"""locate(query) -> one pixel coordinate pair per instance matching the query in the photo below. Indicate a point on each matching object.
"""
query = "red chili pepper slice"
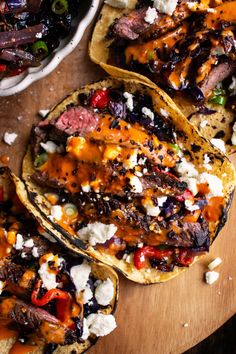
(185, 196)
(184, 257)
(1, 194)
(3, 68)
(49, 296)
(100, 99)
(141, 254)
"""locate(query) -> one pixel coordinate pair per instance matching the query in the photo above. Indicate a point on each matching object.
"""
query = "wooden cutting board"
(150, 318)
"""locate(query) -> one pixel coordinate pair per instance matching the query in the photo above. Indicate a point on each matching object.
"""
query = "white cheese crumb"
(148, 113)
(191, 183)
(48, 277)
(185, 168)
(151, 15)
(97, 232)
(9, 138)
(87, 294)
(136, 184)
(203, 124)
(165, 6)
(142, 161)
(50, 147)
(56, 213)
(233, 138)
(219, 143)
(214, 183)
(100, 324)
(140, 244)
(161, 201)
(164, 113)
(129, 101)
(211, 10)
(189, 205)
(2, 286)
(19, 242)
(86, 188)
(29, 243)
(215, 263)
(151, 209)
(80, 275)
(206, 160)
(119, 4)
(43, 112)
(232, 86)
(131, 162)
(104, 292)
(211, 277)
(35, 252)
(86, 333)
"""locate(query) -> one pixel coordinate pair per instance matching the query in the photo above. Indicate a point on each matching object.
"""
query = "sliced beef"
(11, 272)
(133, 25)
(164, 181)
(79, 120)
(217, 75)
(24, 314)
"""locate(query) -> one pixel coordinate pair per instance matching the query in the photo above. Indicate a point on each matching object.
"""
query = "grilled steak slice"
(133, 25)
(217, 74)
(11, 272)
(24, 314)
(164, 181)
(75, 120)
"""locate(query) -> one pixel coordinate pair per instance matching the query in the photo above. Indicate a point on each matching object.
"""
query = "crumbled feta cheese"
(203, 124)
(50, 147)
(219, 143)
(210, 9)
(148, 113)
(233, 138)
(142, 161)
(100, 325)
(151, 209)
(9, 138)
(189, 205)
(151, 15)
(80, 275)
(29, 243)
(214, 183)
(35, 252)
(232, 86)
(129, 101)
(164, 113)
(131, 162)
(56, 213)
(140, 244)
(185, 168)
(206, 160)
(136, 184)
(211, 277)
(104, 292)
(165, 6)
(87, 294)
(191, 183)
(43, 112)
(97, 232)
(2, 286)
(215, 263)
(86, 188)
(39, 35)
(86, 333)
(19, 242)
(119, 4)
(161, 201)
(138, 174)
(48, 277)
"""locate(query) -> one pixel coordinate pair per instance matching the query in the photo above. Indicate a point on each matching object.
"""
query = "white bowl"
(11, 85)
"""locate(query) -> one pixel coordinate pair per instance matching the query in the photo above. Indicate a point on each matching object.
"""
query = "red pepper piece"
(184, 257)
(49, 296)
(100, 99)
(141, 254)
(1, 194)
(3, 68)
(185, 196)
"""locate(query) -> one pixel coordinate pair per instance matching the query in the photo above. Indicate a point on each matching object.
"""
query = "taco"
(186, 48)
(120, 172)
(52, 300)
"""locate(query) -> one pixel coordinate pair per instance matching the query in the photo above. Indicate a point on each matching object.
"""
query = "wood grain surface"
(150, 318)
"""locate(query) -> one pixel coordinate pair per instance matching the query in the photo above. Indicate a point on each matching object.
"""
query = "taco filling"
(49, 297)
(186, 48)
(115, 175)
